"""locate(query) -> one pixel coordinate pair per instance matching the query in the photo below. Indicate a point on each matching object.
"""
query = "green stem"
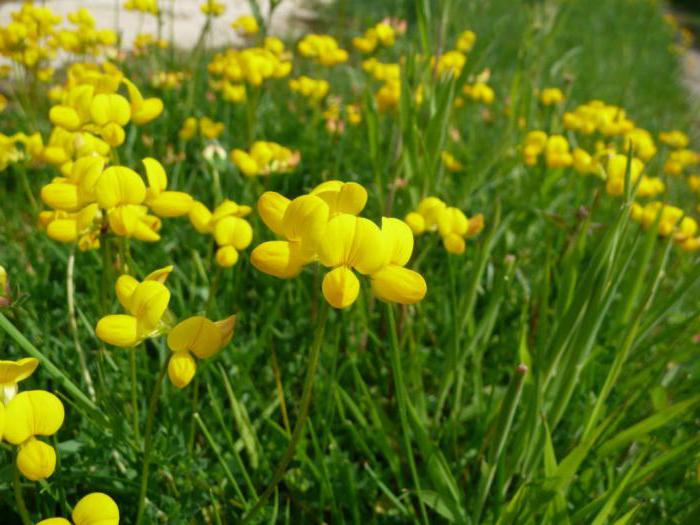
(314, 358)
(403, 401)
(19, 499)
(148, 442)
(134, 393)
(72, 322)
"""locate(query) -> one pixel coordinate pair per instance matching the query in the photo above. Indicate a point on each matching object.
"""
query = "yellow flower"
(341, 197)
(189, 128)
(94, 509)
(5, 300)
(246, 25)
(323, 49)
(145, 302)
(616, 172)
(210, 129)
(349, 243)
(145, 6)
(551, 96)
(143, 110)
(466, 41)
(212, 8)
(264, 158)
(675, 139)
(30, 414)
(450, 162)
(195, 336)
(557, 153)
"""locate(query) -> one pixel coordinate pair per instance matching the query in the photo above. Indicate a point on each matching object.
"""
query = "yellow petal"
(2, 415)
(96, 509)
(271, 207)
(452, 220)
(36, 460)
(113, 134)
(398, 239)
(118, 186)
(63, 230)
(160, 275)
(281, 259)
(32, 413)
(226, 256)
(106, 108)
(233, 231)
(341, 287)
(398, 285)
(342, 197)
(416, 222)
(226, 327)
(16, 371)
(118, 330)
(200, 217)
(155, 174)
(305, 220)
(454, 243)
(171, 204)
(148, 111)
(124, 288)
(196, 334)
(352, 241)
(181, 369)
(149, 302)
(54, 521)
(65, 117)
(245, 162)
(60, 196)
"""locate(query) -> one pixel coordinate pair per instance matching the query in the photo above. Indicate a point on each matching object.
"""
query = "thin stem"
(134, 393)
(148, 442)
(403, 401)
(70, 293)
(19, 498)
(314, 358)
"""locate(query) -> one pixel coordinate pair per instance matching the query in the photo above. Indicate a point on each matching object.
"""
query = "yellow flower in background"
(265, 158)
(189, 128)
(679, 160)
(480, 92)
(533, 146)
(145, 302)
(675, 139)
(311, 88)
(28, 415)
(641, 142)
(616, 170)
(246, 25)
(583, 161)
(465, 41)
(5, 300)
(145, 6)
(323, 49)
(451, 223)
(212, 8)
(392, 282)
(226, 223)
(382, 34)
(450, 63)
(143, 110)
(196, 336)
(450, 162)
(94, 509)
(556, 151)
(349, 243)
(210, 128)
(551, 96)
(12, 372)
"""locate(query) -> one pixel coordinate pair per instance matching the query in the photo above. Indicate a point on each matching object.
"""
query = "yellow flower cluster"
(144, 6)
(311, 88)
(675, 139)
(90, 103)
(465, 41)
(226, 223)
(450, 162)
(84, 38)
(680, 160)
(479, 92)
(145, 40)
(324, 226)
(388, 95)
(27, 39)
(551, 96)
(451, 223)
(210, 129)
(233, 68)
(671, 220)
(246, 25)
(146, 304)
(265, 158)
(382, 34)
(91, 196)
(598, 117)
(212, 8)
(616, 170)
(323, 49)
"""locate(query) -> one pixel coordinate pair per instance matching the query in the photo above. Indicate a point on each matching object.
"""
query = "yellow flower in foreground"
(145, 302)
(164, 203)
(349, 243)
(11, 373)
(196, 336)
(94, 509)
(30, 414)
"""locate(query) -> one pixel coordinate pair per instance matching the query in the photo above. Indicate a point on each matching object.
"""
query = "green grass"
(550, 375)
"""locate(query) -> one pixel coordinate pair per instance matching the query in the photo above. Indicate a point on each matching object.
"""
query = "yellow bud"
(181, 369)
(341, 287)
(36, 460)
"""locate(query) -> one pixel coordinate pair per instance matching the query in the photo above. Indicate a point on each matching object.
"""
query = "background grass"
(560, 281)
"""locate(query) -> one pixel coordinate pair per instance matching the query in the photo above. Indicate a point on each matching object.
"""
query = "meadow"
(413, 262)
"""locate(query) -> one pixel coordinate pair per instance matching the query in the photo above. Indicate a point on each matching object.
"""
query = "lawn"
(416, 262)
